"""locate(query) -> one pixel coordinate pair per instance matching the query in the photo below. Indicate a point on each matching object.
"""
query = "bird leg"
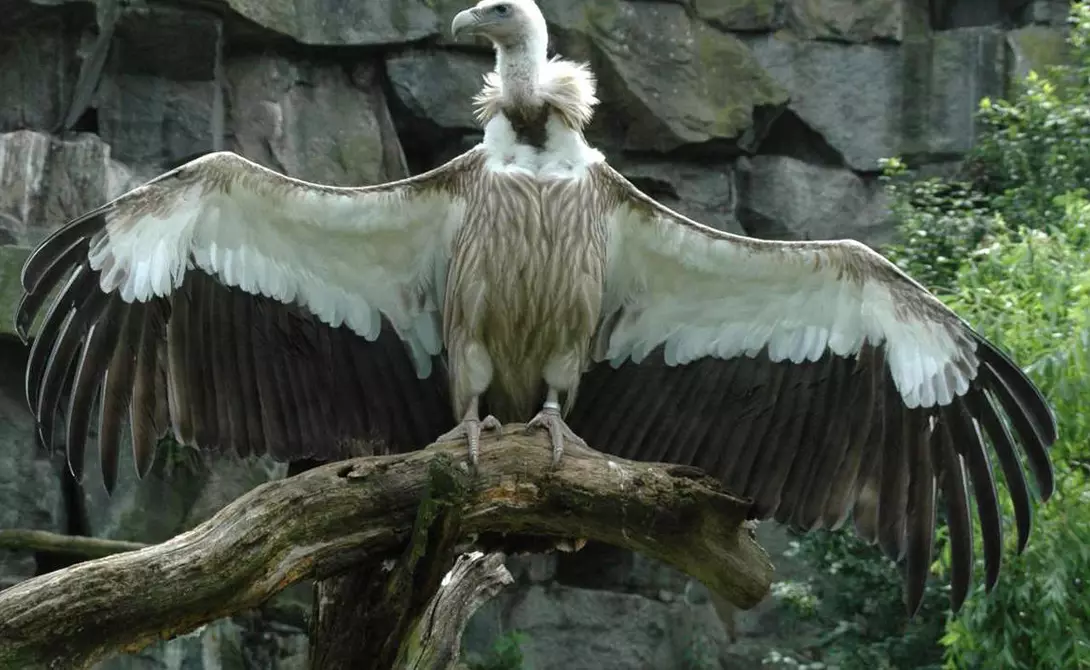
(549, 418)
(470, 430)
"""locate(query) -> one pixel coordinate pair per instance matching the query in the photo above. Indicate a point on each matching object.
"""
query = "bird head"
(507, 23)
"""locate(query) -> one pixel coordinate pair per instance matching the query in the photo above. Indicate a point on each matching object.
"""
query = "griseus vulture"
(239, 308)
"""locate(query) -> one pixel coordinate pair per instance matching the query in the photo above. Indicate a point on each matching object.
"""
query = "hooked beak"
(465, 23)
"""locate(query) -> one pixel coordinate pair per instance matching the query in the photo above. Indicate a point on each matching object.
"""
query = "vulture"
(527, 280)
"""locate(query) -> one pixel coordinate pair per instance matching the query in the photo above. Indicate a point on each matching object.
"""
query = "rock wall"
(767, 117)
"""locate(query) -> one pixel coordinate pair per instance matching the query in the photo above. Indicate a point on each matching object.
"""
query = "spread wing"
(244, 309)
(809, 376)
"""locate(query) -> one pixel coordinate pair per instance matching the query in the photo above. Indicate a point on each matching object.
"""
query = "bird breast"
(526, 273)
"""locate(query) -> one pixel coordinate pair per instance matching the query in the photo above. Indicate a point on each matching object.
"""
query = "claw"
(470, 430)
(549, 419)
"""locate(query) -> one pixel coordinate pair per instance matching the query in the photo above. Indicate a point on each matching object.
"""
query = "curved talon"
(470, 430)
(549, 419)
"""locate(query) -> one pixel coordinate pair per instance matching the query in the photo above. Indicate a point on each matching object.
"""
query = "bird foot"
(470, 431)
(549, 419)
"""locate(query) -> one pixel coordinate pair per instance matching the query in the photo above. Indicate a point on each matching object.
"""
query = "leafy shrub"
(1034, 295)
(939, 224)
(1035, 148)
(1008, 249)
(857, 601)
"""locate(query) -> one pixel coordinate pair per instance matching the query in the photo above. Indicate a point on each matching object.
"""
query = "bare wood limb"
(79, 545)
(362, 511)
(436, 642)
(368, 629)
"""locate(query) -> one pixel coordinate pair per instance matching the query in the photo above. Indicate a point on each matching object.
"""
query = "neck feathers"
(521, 80)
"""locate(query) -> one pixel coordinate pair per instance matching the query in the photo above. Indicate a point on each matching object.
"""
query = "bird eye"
(502, 10)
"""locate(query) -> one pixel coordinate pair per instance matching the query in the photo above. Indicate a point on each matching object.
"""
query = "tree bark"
(367, 629)
(371, 511)
(437, 639)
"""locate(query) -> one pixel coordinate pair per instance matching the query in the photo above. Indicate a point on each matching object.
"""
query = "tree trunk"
(362, 616)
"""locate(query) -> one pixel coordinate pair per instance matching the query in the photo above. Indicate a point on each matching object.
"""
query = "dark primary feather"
(117, 392)
(44, 283)
(223, 368)
(810, 442)
(93, 360)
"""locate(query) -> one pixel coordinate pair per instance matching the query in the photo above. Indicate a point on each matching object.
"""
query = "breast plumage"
(524, 288)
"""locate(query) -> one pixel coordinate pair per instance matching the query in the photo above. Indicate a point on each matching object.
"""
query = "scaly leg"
(470, 430)
(549, 418)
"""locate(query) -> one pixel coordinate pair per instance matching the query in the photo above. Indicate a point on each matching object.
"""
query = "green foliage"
(1008, 248)
(940, 224)
(506, 653)
(1033, 292)
(857, 602)
(1036, 147)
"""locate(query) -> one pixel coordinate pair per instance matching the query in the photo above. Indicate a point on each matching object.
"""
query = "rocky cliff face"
(767, 117)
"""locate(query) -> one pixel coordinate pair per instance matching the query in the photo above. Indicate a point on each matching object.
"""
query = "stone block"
(39, 63)
(183, 488)
(849, 94)
(439, 85)
(46, 181)
(666, 80)
(740, 15)
(141, 33)
(944, 80)
(157, 123)
(312, 120)
(605, 567)
(30, 482)
(847, 20)
(954, 14)
(344, 22)
(835, 20)
(158, 111)
(568, 627)
(11, 288)
(704, 191)
(1033, 48)
(1044, 12)
(784, 198)
(226, 644)
(873, 101)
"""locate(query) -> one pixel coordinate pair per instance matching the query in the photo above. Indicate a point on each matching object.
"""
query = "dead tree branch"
(368, 629)
(78, 545)
(364, 511)
(434, 644)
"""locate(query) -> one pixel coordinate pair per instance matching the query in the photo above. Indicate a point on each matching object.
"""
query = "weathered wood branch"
(363, 511)
(437, 638)
(368, 629)
(78, 545)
